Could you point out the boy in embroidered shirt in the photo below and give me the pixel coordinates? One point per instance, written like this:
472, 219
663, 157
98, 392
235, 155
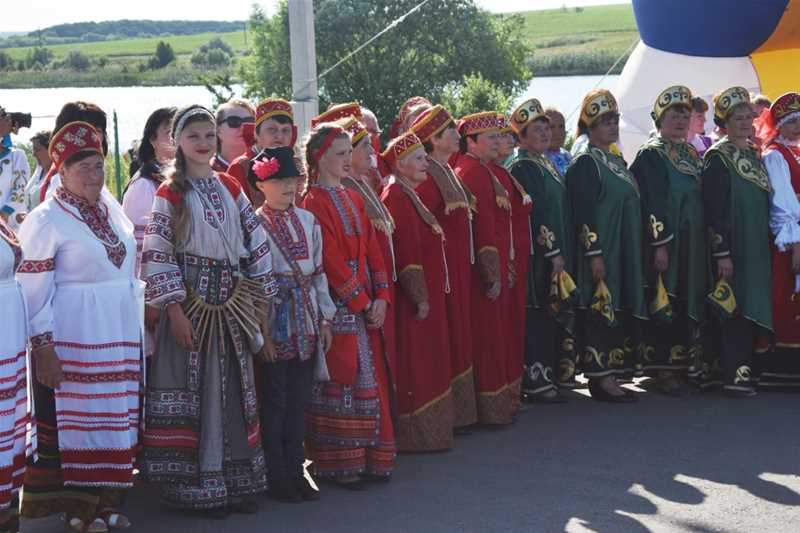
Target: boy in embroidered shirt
299, 322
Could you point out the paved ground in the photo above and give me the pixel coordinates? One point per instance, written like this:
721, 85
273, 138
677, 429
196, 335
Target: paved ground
698, 464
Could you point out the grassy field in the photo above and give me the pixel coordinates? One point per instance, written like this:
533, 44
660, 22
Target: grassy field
587, 41
564, 42
139, 48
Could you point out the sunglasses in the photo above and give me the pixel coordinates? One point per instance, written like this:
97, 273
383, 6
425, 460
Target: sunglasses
236, 122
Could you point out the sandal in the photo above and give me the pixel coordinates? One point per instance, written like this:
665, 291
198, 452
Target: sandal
97, 525
114, 519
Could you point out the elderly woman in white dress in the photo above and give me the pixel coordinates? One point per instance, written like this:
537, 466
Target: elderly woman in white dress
86, 310
13, 380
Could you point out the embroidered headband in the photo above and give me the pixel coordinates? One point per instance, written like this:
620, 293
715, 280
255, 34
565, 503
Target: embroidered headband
332, 135
785, 108
186, 116
677, 95
725, 101
526, 113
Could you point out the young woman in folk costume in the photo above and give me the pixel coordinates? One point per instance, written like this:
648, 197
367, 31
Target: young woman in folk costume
736, 188
781, 367
549, 320
492, 332
207, 265
606, 207
349, 435
86, 310
349, 117
300, 321
424, 394
667, 169
520, 252
452, 204
156, 151
274, 128
13, 376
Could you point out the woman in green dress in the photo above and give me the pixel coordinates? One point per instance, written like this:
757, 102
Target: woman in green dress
667, 169
606, 209
736, 191
547, 333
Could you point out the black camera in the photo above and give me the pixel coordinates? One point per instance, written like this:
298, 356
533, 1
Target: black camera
18, 120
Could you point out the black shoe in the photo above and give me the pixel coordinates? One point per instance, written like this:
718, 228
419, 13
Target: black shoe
599, 394
548, 398
307, 492
284, 490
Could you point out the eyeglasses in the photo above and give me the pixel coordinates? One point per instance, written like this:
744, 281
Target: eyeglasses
236, 122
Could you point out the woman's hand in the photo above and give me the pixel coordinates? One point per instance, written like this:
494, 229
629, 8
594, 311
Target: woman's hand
48, 367
180, 326
151, 317
661, 259
598, 266
376, 314
725, 268
422, 310
326, 337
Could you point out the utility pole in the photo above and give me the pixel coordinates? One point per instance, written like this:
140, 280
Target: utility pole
305, 99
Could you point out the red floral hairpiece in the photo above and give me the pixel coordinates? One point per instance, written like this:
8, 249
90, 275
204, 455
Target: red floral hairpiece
265, 168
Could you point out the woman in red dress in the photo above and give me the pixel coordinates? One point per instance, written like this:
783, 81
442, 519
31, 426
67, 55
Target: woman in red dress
490, 277
522, 248
451, 202
780, 368
349, 428
424, 396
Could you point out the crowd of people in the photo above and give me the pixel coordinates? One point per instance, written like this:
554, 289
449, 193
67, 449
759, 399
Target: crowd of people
253, 306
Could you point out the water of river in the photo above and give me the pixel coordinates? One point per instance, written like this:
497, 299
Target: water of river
134, 104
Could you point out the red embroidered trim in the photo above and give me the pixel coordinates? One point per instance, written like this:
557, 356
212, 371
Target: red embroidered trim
37, 266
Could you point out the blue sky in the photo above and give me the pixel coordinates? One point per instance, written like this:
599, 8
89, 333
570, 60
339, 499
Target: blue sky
43, 13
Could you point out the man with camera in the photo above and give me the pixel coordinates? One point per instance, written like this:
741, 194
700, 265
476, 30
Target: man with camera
14, 169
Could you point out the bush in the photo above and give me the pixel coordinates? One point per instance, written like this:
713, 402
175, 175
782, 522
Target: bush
77, 60
102, 61
39, 57
217, 44
474, 94
164, 56
6, 62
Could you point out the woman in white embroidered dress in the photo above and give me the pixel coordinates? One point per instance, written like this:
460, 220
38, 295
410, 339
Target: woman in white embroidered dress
13, 381
207, 264
86, 312
155, 151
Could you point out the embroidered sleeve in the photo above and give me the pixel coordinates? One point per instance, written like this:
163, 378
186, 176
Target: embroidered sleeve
36, 274
583, 184
651, 172
326, 306
717, 202
784, 209
259, 264
377, 266
160, 269
20, 171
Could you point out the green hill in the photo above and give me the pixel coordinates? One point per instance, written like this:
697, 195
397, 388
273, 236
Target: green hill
579, 40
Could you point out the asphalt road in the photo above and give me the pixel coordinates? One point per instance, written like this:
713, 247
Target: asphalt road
697, 464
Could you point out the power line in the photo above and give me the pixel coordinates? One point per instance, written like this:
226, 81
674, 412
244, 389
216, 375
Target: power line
369, 41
